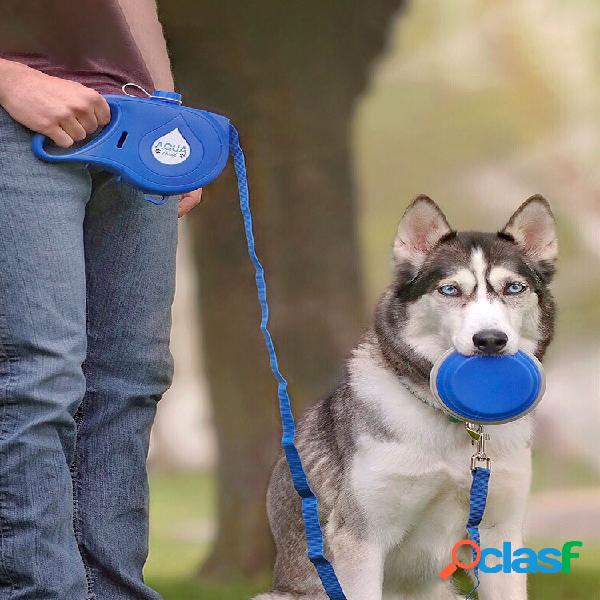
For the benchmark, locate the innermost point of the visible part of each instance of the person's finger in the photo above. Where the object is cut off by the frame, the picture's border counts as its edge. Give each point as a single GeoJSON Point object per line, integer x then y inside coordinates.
{"type": "Point", "coordinates": [74, 128]}
{"type": "Point", "coordinates": [60, 137]}
{"type": "Point", "coordinates": [88, 121]}
{"type": "Point", "coordinates": [189, 201]}
{"type": "Point", "coordinates": [102, 111]}
{"type": "Point", "coordinates": [185, 206]}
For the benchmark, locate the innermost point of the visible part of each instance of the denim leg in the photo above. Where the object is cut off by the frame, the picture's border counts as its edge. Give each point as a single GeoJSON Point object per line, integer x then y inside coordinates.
{"type": "Point", "coordinates": [130, 250]}
{"type": "Point", "coordinates": [42, 347]}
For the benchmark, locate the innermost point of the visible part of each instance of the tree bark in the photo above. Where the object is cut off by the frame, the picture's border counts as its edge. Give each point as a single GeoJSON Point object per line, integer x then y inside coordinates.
{"type": "Point", "coordinates": [288, 74]}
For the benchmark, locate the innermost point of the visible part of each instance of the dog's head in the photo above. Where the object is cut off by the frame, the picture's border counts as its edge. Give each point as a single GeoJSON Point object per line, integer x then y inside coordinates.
{"type": "Point", "coordinates": [475, 292]}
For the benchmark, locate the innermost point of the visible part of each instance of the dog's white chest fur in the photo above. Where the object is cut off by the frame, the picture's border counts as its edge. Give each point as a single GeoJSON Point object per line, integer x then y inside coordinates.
{"type": "Point", "coordinates": [413, 482]}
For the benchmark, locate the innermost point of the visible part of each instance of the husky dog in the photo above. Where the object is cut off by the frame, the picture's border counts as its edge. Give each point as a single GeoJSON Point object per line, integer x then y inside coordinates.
{"type": "Point", "coordinates": [390, 470]}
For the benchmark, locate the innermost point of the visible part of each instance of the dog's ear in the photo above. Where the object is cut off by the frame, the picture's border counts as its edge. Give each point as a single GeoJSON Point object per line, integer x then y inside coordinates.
{"type": "Point", "coordinates": [532, 228]}
{"type": "Point", "coordinates": [421, 228]}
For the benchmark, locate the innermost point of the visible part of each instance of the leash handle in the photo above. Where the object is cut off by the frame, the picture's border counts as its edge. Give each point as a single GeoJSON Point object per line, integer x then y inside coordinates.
{"type": "Point", "coordinates": [310, 512]}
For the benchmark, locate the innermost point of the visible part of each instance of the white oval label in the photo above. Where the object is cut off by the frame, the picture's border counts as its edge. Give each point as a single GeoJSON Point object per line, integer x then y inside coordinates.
{"type": "Point", "coordinates": [171, 148]}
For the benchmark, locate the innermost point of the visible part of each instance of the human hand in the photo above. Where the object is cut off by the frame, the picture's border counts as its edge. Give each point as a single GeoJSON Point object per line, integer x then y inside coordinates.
{"type": "Point", "coordinates": [188, 201]}
{"type": "Point", "coordinates": [63, 110]}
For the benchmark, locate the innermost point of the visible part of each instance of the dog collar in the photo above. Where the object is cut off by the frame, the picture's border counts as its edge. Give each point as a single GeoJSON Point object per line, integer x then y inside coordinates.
{"type": "Point", "coordinates": [423, 398]}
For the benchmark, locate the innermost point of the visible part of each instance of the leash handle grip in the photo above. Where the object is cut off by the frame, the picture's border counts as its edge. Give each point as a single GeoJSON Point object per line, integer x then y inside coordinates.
{"type": "Point", "coordinates": [77, 150]}
{"type": "Point", "coordinates": [37, 145]}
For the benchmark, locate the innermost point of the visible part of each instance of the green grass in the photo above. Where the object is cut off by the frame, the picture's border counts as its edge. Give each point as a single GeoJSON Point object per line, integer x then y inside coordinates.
{"type": "Point", "coordinates": [181, 523]}
{"type": "Point", "coordinates": [181, 515]}
{"type": "Point", "coordinates": [188, 589]}
{"type": "Point", "coordinates": [583, 583]}
{"type": "Point", "coordinates": [182, 509]}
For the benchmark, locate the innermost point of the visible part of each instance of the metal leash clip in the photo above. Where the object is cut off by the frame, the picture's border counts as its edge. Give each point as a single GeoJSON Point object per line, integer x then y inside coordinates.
{"type": "Point", "coordinates": [478, 439]}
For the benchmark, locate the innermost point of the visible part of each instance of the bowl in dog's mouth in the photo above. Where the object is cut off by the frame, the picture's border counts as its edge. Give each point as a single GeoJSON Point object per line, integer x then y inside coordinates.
{"type": "Point", "coordinates": [487, 388]}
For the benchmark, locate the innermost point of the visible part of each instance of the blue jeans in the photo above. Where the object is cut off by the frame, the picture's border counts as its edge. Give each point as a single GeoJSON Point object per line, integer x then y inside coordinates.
{"type": "Point", "coordinates": [87, 277]}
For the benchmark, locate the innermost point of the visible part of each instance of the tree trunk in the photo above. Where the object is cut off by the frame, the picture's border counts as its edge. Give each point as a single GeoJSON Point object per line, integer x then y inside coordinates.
{"type": "Point", "coordinates": [288, 74]}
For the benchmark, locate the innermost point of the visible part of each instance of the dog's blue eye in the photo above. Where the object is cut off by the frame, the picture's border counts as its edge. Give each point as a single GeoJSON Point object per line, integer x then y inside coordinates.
{"type": "Point", "coordinates": [514, 288]}
{"type": "Point", "coordinates": [449, 290]}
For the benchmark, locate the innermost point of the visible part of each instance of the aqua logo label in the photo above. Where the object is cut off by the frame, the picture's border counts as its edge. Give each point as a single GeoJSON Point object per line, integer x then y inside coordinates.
{"type": "Point", "coordinates": [171, 148]}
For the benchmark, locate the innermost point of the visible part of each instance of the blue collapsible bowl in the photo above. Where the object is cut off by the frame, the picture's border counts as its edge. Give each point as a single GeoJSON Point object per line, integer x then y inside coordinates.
{"type": "Point", "coordinates": [487, 389]}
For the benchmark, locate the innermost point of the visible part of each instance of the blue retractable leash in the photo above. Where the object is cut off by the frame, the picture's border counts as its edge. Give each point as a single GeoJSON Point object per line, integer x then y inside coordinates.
{"type": "Point", "coordinates": [480, 390]}
{"type": "Point", "coordinates": [163, 148]}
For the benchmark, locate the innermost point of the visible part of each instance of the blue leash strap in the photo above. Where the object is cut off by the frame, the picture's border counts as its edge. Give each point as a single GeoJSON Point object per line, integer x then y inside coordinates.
{"type": "Point", "coordinates": [478, 498]}
{"type": "Point", "coordinates": [310, 509]}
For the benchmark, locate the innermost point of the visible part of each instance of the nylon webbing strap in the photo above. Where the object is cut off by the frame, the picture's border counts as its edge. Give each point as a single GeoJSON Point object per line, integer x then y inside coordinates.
{"type": "Point", "coordinates": [310, 513]}
{"type": "Point", "coordinates": [478, 498]}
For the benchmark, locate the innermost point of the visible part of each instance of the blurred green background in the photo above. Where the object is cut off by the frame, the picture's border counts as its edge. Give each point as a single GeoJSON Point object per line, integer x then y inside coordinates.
{"type": "Point", "coordinates": [477, 103]}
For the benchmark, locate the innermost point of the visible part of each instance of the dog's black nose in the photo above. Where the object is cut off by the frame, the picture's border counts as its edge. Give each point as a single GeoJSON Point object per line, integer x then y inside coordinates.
{"type": "Point", "coordinates": [490, 341]}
